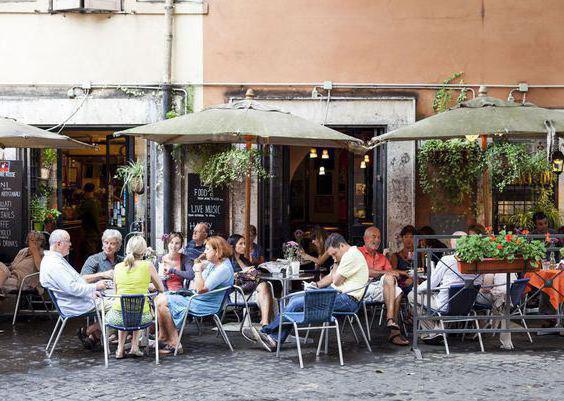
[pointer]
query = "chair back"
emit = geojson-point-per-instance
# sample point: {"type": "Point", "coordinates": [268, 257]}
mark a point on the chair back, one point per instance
{"type": "Point", "coordinates": [319, 305]}
{"type": "Point", "coordinates": [461, 299]}
{"type": "Point", "coordinates": [132, 309]}
{"type": "Point", "coordinates": [54, 300]}
{"type": "Point", "coordinates": [517, 289]}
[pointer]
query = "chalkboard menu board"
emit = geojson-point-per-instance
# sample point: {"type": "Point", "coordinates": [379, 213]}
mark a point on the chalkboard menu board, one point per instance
{"type": "Point", "coordinates": [206, 204]}
{"type": "Point", "coordinates": [11, 220]}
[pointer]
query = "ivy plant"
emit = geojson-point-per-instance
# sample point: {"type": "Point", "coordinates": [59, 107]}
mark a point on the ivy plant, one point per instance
{"type": "Point", "coordinates": [449, 170]}
{"type": "Point", "coordinates": [443, 96]}
{"type": "Point", "coordinates": [232, 166]}
{"type": "Point", "coordinates": [48, 158]}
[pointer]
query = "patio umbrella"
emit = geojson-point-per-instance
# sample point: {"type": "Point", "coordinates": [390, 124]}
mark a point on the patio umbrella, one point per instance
{"type": "Point", "coordinates": [481, 117]}
{"type": "Point", "coordinates": [14, 134]}
{"type": "Point", "coordinates": [245, 121]}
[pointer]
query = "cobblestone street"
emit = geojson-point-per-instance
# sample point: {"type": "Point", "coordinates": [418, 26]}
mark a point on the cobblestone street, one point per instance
{"type": "Point", "coordinates": [207, 370]}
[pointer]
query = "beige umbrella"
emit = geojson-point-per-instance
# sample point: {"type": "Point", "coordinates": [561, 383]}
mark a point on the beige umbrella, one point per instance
{"type": "Point", "coordinates": [246, 121]}
{"type": "Point", "coordinates": [14, 134]}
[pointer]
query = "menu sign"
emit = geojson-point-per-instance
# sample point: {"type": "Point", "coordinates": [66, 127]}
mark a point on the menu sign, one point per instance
{"type": "Point", "coordinates": [10, 208]}
{"type": "Point", "coordinates": [207, 205]}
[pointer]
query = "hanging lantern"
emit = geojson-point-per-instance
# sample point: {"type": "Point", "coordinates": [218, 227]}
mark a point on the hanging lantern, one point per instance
{"type": "Point", "coordinates": [325, 154]}
{"type": "Point", "coordinates": [363, 164]}
{"type": "Point", "coordinates": [557, 161]}
{"type": "Point", "coordinates": [321, 170]}
{"type": "Point", "coordinates": [313, 153]}
{"type": "Point", "coordinates": [367, 158]}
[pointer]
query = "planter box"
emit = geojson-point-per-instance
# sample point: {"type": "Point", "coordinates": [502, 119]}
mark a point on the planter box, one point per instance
{"type": "Point", "coordinates": [517, 265]}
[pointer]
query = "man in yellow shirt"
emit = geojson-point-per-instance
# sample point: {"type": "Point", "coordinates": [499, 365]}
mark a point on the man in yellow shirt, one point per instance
{"type": "Point", "coordinates": [348, 276]}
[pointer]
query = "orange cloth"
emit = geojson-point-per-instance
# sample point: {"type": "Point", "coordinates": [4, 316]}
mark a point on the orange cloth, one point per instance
{"type": "Point", "coordinates": [556, 291]}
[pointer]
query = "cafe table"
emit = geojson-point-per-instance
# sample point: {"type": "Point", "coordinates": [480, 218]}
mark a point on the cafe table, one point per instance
{"type": "Point", "coordinates": [285, 279]}
{"type": "Point", "coordinates": [551, 282]}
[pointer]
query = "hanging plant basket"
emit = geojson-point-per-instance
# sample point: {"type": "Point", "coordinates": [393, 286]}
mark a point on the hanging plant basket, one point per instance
{"type": "Point", "coordinates": [491, 265]}
{"type": "Point", "coordinates": [136, 185]}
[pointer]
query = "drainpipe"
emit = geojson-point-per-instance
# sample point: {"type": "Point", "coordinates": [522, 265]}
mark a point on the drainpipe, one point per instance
{"type": "Point", "coordinates": [167, 93]}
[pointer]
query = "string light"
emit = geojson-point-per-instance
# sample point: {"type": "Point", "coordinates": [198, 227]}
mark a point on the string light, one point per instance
{"type": "Point", "coordinates": [325, 154]}
{"type": "Point", "coordinates": [321, 170]}
{"type": "Point", "coordinates": [313, 153]}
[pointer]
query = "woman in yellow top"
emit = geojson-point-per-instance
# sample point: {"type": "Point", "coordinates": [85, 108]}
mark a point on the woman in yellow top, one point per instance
{"type": "Point", "coordinates": [133, 276]}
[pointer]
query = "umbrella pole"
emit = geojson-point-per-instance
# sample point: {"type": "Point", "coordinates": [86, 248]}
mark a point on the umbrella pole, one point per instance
{"type": "Point", "coordinates": [248, 208]}
{"type": "Point", "coordinates": [487, 198]}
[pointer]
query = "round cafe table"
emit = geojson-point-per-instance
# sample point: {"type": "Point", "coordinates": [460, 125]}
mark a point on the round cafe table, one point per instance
{"type": "Point", "coordinates": [551, 282]}
{"type": "Point", "coordinates": [285, 279]}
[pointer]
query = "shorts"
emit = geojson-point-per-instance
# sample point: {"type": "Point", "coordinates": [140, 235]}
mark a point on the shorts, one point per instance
{"type": "Point", "coordinates": [115, 318]}
{"type": "Point", "coordinates": [375, 291]}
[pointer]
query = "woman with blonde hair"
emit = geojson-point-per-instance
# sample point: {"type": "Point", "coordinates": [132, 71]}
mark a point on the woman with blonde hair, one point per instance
{"type": "Point", "coordinates": [133, 276]}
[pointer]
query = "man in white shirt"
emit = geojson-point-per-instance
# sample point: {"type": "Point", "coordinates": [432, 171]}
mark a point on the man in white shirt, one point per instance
{"type": "Point", "coordinates": [74, 295]}
{"type": "Point", "coordinates": [444, 275]}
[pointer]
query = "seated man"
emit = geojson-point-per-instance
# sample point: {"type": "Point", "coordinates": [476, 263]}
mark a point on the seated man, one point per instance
{"type": "Point", "coordinates": [256, 254]}
{"type": "Point", "coordinates": [348, 276]}
{"type": "Point", "coordinates": [26, 262]}
{"type": "Point", "coordinates": [212, 271]}
{"type": "Point", "coordinates": [100, 266]}
{"type": "Point", "coordinates": [384, 288]}
{"type": "Point", "coordinates": [194, 249]}
{"type": "Point", "coordinates": [444, 275]}
{"type": "Point", "coordinates": [74, 295]}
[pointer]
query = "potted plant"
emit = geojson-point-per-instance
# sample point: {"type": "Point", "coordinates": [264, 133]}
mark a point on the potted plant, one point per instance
{"type": "Point", "coordinates": [291, 251]}
{"type": "Point", "coordinates": [43, 217]}
{"type": "Point", "coordinates": [132, 176]}
{"type": "Point", "coordinates": [503, 253]}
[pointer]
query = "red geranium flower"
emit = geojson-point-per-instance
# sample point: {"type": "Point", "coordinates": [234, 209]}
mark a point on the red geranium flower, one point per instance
{"type": "Point", "coordinates": [492, 237]}
{"type": "Point", "coordinates": [500, 247]}
{"type": "Point", "coordinates": [525, 232]}
{"type": "Point", "coordinates": [488, 229]}
{"type": "Point", "coordinates": [547, 238]}
{"type": "Point", "coordinates": [508, 237]}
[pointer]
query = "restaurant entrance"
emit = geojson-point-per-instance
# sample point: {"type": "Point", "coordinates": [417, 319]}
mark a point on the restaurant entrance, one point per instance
{"type": "Point", "coordinates": [88, 187]}
{"type": "Point", "coordinates": [332, 188]}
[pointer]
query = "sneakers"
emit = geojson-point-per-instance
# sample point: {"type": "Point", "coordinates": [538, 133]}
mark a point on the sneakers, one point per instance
{"type": "Point", "coordinates": [267, 342]}
{"type": "Point", "coordinates": [437, 340]}
{"type": "Point", "coordinates": [251, 334]}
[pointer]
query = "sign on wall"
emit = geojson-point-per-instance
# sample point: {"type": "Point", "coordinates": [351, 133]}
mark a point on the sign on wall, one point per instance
{"type": "Point", "coordinates": [207, 205]}
{"type": "Point", "coordinates": [11, 220]}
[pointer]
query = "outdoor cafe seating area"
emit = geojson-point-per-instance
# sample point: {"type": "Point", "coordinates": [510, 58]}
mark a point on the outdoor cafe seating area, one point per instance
{"type": "Point", "coordinates": [524, 301]}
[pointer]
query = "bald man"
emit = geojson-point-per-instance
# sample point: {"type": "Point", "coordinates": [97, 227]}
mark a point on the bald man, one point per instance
{"type": "Point", "coordinates": [384, 288]}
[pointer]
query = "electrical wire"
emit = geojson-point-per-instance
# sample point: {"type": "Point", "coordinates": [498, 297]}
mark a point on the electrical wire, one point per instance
{"type": "Point", "coordinates": [64, 123]}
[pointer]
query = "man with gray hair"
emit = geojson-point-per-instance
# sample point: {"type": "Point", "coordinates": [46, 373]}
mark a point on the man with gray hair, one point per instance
{"type": "Point", "coordinates": [444, 275]}
{"type": "Point", "coordinates": [100, 266]}
{"type": "Point", "coordinates": [74, 295]}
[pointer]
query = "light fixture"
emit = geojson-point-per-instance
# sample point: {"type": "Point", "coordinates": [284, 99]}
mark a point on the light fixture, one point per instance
{"type": "Point", "coordinates": [363, 164]}
{"type": "Point", "coordinates": [471, 138]}
{"type": "Point", "coordinates": [313, 153]}
{"type": "Point", "coordinates": [321, 170]}
{"type": "Point", "coordinates": [367, 158]}
{"type": "Point", "coordinates": [325, 154]}
{"type": "Point", "coordinates": [557, 161]}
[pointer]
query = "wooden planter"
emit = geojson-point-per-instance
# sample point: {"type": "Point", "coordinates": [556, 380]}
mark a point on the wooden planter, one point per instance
{"type": "Point", "coordinates": [517, 265]}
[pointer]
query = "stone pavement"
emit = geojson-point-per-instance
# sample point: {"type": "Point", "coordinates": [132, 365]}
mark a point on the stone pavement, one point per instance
{"type": "Point", "coordinates": [208, 371]}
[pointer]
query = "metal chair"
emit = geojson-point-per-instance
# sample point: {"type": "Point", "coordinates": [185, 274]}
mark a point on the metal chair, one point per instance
{"type": "Point", "coordinates": [352, 316]}
{"type": "Point", "coordinates": [132, 306]}
{"type": "Point", "coordinates": [32, 298]}
{"type": "Point", "coordinates": [62, 320]}
{"type": "Point", "coordinates": [227, 291]}
{"type": "Point", "coordinates": [461, 298]}
{"type": "Point", "coordinates": [318, 309]}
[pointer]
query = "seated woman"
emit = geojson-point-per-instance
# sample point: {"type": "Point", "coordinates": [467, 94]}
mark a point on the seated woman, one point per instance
{"type": "Point", "coordinates": [26, 262]}
{"type": "Point", "coordinates": [323, 262]}
{"type": "Point", "coordinates": [246, 278]}
{"type": "Point", "coordinates": [403, 260]}
{"type": "Point", "coordinates": [133, 276]}
{"type": "Point", "coordinates": [432, 243]}
{"type": "Point", "coordinates": [175, 265]}
{"type": "Point", "coordinates": [212, 273]}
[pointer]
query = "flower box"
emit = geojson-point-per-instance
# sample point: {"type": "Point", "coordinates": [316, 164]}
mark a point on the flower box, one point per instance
{"type": "Point", "coordinates": [490, 265]}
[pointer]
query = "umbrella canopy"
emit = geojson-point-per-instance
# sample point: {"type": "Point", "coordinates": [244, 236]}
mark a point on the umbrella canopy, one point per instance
{"type": "Point", "coordinates": [243, 121]}
{"type": "Point", "coordinates": [14, 134]}
{"type": "Point", "coordinates": [483, 115]}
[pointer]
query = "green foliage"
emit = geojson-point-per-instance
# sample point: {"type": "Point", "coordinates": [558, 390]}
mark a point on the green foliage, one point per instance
{"type": "Point", "coordinates": [232, 166]}
{"type": "Point", "coordinates": [449, 170]}
{"type": "Point", "coordinates": [545, 204]}
{"type": "Point", "coordinates": [171, 114]}
{"type": "Point", "coordinates": [443, 96]}
{"type": "Point", "coordinates": [40, 213]}
{"type": "Point", "coordinates": [48, 158]}
{"type": "Point", "coordinates": [131, 175]}
{"type": "Point", "coordinates": [472, 248]}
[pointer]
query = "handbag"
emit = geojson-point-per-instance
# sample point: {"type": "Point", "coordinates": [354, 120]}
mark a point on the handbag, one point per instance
{"type": "Point", "coordinates": [248, 281]}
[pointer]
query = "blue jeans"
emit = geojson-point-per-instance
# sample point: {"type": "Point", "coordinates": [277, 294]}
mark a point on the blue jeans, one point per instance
{"type": "Point", "coordinates": [343, 303]}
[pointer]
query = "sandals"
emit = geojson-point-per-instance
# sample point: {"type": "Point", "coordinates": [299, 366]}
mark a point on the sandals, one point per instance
{"type": "Point", "coordinates": [136, 354]}
{"type": "Point", "coordinates": [120, 356]}
{"type": "Point", "coordinates": [392, 325]}
{"type": "Point", "coordinates": [169, 350]}
{"type": "Point", "coordinates": [398, 339]}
